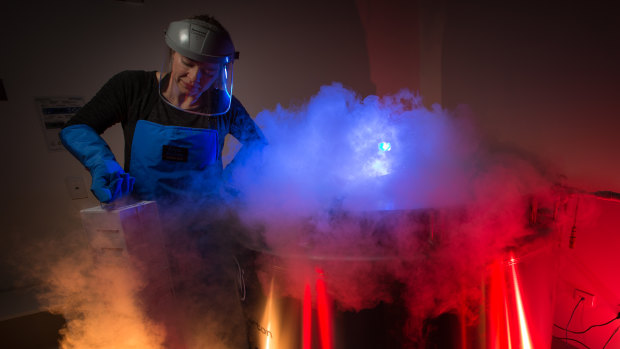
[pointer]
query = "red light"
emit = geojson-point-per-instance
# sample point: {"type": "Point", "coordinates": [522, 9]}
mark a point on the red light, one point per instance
{"type": "Point", "coordinates": [507, 321]}
{"type": "Point", "coordinates": [526, 342]}
{"type": "Point", "coordinates": [507, 315]}
{"type": "Point", "coordinates": [307, 318]}
{"type": "Point", "coordinates": [322, 305]}
{"type": "Point", "coordinates": [499, 327]}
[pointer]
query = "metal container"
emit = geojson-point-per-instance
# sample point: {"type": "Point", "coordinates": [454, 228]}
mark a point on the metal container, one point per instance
{"type": "Point", "coordinates": [288, 300]}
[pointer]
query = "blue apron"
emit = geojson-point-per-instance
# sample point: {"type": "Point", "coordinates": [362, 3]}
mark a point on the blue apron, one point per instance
{"type": "Point", "coordinates": [173, 163]}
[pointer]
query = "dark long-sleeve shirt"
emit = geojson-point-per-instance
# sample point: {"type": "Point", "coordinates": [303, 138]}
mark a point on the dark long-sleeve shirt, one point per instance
{"type": "Point", "coordinates": [130, 96]}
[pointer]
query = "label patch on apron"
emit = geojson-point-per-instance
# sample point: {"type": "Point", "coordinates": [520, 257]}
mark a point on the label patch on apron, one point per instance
{"type": "Point", "coordinates": [173, 153]}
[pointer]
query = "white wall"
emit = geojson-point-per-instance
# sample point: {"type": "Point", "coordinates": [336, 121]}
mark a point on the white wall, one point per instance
{"type": "Point", "coordinates": [543, 77]}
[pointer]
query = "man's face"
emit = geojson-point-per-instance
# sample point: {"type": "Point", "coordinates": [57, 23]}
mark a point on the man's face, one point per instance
{"type": "Point", "coordinates": [192, 77]}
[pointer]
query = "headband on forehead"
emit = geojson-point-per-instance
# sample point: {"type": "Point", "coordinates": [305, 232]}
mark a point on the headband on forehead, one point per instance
{"type": "Point", "coordinates": [200, 41]}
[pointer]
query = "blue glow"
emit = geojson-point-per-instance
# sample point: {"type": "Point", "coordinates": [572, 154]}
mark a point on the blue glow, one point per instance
{"type": "Point", "coordinates": [339, 147]}
{"type": "Point", "coordinates": [385, 146]}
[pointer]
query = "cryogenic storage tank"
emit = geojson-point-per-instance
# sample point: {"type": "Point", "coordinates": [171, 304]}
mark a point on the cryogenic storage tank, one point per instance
{"type": "Point", "coordinates": [423, 267]}
{"type": "Point", "coordinates": [293, 299]}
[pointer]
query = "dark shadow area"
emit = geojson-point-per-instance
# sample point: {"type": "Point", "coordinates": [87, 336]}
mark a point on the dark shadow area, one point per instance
{"type": "Point", "coordinates": [379, 327]}
{"type": "Point", "coordinates": [36, 331]}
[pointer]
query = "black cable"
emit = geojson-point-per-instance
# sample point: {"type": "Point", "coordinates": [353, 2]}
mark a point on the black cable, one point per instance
{"type": "Point", "coordinates": [610, 337]}
{"type": "Point", "coordinates": [607, 195]}
{"type": "Point", "coordinates": [574, 340]}
{"type": "Point", "coordinates": [589, 328]}
{"type": "Point", "coordinates": [581, 299]}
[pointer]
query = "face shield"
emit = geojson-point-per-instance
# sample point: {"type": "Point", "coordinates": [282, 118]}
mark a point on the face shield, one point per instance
{"type": "Point", "coordinates": [197, 75]}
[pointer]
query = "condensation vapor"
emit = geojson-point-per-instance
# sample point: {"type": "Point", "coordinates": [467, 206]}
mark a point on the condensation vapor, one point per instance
{"type": "Point", "coordinates": [430, 213]}
{"type": "Point", "coordinates": [327, 193]}
{"type": "Point", "coordinates": [98, 300]}
{"type": "Point", "coordinates": [114, 299]}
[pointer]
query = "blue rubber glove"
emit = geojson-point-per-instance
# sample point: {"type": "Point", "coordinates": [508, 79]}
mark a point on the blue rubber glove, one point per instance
{"type": "Point", "coordinates": [109, 181]}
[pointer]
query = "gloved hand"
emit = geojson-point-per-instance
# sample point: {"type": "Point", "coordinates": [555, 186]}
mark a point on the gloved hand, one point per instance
{"type": "Point", "coordinates": [109, 181]}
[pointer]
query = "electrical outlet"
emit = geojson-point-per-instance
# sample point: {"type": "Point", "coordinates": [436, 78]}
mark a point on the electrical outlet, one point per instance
{"type": "Point", "coordinates": [588, 298]}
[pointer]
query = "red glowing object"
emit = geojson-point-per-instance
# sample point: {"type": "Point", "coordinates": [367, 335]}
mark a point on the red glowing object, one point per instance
{"type": "Point", "coordinates": [324, 315]}
{"type": "Point", "coordinates": [307, 319]}
{"type": "Point", "coordinates": [526, 342]}
{"type": "Point", "coordinates": [499, 329]}
{"type": "Point", "coordinates": [507, 319]}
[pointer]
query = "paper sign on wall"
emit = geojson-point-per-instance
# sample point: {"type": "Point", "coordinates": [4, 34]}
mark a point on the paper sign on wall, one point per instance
{"type": "Point", "coordinates": [54, 113]}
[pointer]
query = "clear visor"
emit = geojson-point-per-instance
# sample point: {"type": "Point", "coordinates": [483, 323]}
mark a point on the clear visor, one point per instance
{"type": "Point", "coordinates": [197, 87]}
